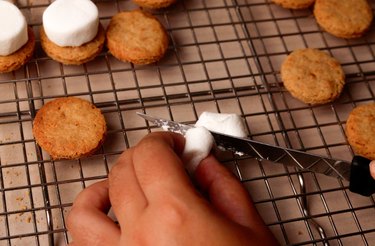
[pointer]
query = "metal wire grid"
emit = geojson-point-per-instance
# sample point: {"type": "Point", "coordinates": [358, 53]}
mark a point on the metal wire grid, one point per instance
{"type": "Point", "coordinates": [224, 56]}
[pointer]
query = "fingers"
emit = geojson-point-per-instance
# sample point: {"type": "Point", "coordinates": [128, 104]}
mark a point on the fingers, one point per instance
{"type": "Point", "coordinates": [88, 222]}
{"type": "Point", "coordinates": [158, 166]}
{"type": "Point", "coordinates": [148, 172]}
{"type": "Point", "coordinates": [226, 193]}
{"type": "Point", "coordinates": [231, 199]}
{"type": "Point", "coordinates": [126, 195]}
{"type": "Point", "coordinates": [372, 169]}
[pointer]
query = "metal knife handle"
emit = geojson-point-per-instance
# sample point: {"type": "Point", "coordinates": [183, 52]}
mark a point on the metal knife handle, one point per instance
{"type": "Point", "coordinates": [361, 181]}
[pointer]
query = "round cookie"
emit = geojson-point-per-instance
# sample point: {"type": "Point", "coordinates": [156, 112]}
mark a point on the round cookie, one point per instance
{"type": "Point", "coordinates": [344, 18]}
{"type": "Point", "coordinates": [294, 4]}
{"type": "Point", "coordinates": [20, 57]}
{"type": "Point", "coordinates": [69, 128]}
{"type": "Point", "coordinates": [360, 130]}
{"type": "Point", "coordinates": [312, 76]}
{"type": "Point", "coordinates": [137, 37]}
{"type": "Point", "coordinates": [73, 55]}
{"type": "Point", "coordinates": [154, 4]}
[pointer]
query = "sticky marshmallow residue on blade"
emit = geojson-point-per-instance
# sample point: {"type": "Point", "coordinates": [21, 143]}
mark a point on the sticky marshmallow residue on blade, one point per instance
{"type": "Point", "coordinates": [13, 28]}
{"type": "Point", "coordinates": [198, 144]}
{"type": "Point", "coordinates": [230, 124]}
{"type": "Point", "coordinates": [71, 22]}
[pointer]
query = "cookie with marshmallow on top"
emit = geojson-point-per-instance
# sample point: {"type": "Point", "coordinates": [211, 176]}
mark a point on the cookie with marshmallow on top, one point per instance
{"type": "Point", "coordinates": [17, 41]}
{"type": "Point", "coordinates": [71, 31]}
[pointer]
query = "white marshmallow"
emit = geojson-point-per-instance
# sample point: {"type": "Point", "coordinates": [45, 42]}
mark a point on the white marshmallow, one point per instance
{"type": "Point", "coordinates": [229, 124]}
{"type": "Point", "coordinates": [13, 28]}
{"type": "Point", "coordinates": [71, 22]}
{"type": "Point", "coordinates": [198, 145]}
{"type": "Point", "coordinates": [11, 1]}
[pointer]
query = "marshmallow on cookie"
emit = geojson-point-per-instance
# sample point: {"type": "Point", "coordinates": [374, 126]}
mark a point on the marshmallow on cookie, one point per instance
{"type": "Point", "coordinates": [71, 32]}
{"type": "Point", "coordinates": [17, 41]}
{"type": "Point", "coordinates": [71, 22]}
{"type": "Point", "coordinates": [13, 26]}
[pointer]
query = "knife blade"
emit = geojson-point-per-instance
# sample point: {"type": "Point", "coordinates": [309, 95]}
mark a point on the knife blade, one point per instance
{"type": "Point", "coordinates": [357, 172]}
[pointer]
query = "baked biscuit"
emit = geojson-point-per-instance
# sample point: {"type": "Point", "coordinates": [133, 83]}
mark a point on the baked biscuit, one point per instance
{"type": "Point", "coordinates": [312, 76]}
{"type": "Point", "coordinates": [360, 130]}
{"type": "Point", "coordinates": [294, 4]}
{"type": "Point", "coordinates": [154, 4]}
{"type": "Point", "coordinates": [20, 57]}
{"type": "Point", "coordinates": [344, 18]}
{"type": "Point", "coordinates": [137, 37]}
{"type": "Point", "coordinates": [69, 128]}
{"type": "Point", "coordinates": [73, 55]}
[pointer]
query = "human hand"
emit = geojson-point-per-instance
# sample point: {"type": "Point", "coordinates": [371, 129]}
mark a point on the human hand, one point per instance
{"type": "Point", "coordinates": [156, 203]}
{"type": "Point", "coordinates": [372, 169]}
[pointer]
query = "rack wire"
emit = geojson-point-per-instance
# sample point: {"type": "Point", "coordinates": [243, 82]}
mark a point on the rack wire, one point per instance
{"type": "Point", "coordinates": [224, 56]}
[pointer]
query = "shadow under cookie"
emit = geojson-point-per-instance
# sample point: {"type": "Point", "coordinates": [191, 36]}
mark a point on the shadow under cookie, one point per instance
{"type": "Point", "coordinates": [19, 58]}
{"type": "Point", "coordinates": [73, 55]}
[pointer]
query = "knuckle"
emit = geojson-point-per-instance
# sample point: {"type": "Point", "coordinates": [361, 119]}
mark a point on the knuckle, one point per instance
{"type": "Point", "coordinates": [113, 172]}
{"type": "Point", "coordinates": [153, 144]}
{"type": "Point", "coordinates": [149, 141]}
{"type": "Point", "coordinates": [119, 165]}
{"type": "Point", "coordinates": [73, 218]}
{"type": "Point", "coordinates": [175, 212]}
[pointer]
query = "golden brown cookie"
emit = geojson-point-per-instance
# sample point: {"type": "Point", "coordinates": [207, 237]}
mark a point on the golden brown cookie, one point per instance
{"type": "Point", "coordinates": [344, 18]}
{"type": "Point", "coordinates": [294, 4]}
{"type": "Point", "coordinates": [154, 4]}
{"type": "Point", "coordinates": [69, 128]}
{"type": "Point", "coordinates": [20, 57]}
{"type": "Point", "coordinates": [73, 55]}
{"type": "Point", "coordinates": [312, 76]}
{"type": "Point", "coordinates": [137, 37]}
{"type": "Point", "coordinates": [360, 130]}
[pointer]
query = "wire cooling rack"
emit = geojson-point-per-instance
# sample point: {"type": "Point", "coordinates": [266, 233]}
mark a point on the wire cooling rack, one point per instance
{"type": "Point", "coordinates": [224, 56]}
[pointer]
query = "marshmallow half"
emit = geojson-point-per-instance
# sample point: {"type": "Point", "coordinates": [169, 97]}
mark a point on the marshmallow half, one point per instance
{"type": "Point", "coordinates": [13, 28]}
{"type": "Point", "coordinates": [71, 22]}
{"type": "Point", "coordinates": [198, 144]}
{"type": "Point", "coordinates": [199, 140]}
{"type": "Point", "coordinates": [229, 124]}
{"type": "Point", "coordinates": [11, 1]}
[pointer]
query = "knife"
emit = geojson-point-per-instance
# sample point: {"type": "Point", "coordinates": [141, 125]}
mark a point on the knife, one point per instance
{"type": "Point", "coordinates": [357, 172]}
